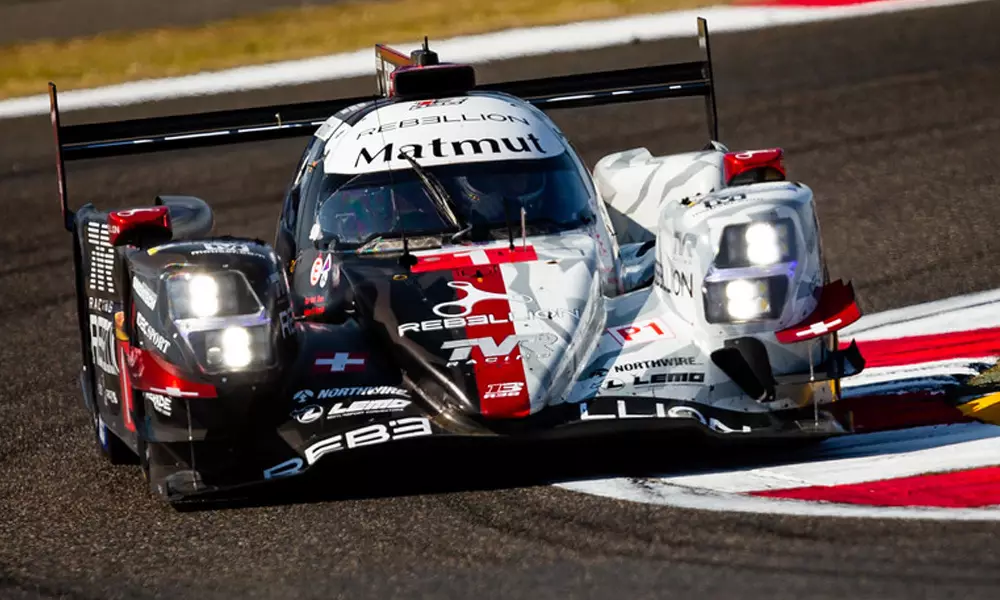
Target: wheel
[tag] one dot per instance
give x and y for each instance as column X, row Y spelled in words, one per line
column 110, row 445
column 142, row 449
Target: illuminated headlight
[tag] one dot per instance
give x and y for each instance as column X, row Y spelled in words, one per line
column 233, row 348
column 741, row 300
column 203, row 295
column 222, row 319
column 760, row 243
column 746, row 299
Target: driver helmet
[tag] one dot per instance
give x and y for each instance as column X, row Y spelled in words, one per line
column 486, row 192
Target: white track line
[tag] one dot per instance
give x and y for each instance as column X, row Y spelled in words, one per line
column 469, row 49
column 856, row 458
column 960, row 313
column 650, row 492
column 864, row 457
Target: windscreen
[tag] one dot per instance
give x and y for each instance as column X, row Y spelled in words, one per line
column 485, row 198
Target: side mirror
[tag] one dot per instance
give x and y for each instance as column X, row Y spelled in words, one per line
column 141, row 227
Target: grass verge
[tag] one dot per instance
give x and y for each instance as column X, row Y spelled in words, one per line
column 284, row 35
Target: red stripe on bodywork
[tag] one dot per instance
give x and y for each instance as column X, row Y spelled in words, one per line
column 125, row 382
column 493, row 373
column 474, row 257
column 976, row 343
column 959, row 489
column 151, row 373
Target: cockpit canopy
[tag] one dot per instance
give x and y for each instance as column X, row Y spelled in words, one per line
column 356, row 212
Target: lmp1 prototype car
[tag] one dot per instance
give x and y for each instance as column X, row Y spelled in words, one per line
column 445, row 265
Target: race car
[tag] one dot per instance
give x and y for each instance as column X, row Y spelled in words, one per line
column 446, row 266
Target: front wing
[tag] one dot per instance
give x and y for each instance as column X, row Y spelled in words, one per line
column 326, row 435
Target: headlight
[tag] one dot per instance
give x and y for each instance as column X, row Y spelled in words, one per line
column 741, row 300
column 222, row 319
column 232, row 348
column 757, row 244
column 201, row 295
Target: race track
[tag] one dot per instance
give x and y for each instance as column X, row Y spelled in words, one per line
column 892, row 120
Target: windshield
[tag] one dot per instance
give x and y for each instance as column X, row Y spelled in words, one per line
column 354, row 211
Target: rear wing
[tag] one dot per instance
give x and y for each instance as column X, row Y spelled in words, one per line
column 396, row 76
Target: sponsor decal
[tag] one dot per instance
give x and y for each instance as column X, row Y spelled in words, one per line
column 313, row 412
column 314, row 305
column 339, row 362
column 225, row 248
column 102, row 344
column 144, row 293
column 399, row 429
column 658, row 410
column 487, row 319
column 101, row 258
column 504, row 390
column 673, row 361
column 161, row 404
column 676, row 282
column 377, row 390
column 153, row 336
column 716, row 201
column 684, row 245
column 287, row 322
column 439, row 102
column 321, row 269
column 640, row 331
column 508, row 350
column 440, row 120
column 307, row 414
column 473, row 295
column 110, row 396
column 303, row 396
column 439, row 148
column 100, row 304
column 654, row 379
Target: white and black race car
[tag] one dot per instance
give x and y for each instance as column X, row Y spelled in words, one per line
column 446, row 265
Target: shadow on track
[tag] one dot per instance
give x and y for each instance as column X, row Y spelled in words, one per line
column 490, row 464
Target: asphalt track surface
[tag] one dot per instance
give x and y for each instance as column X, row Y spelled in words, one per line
column 893, row 120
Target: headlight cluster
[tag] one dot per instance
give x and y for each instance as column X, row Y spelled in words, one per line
column 222, row 319
column 751, row 273
column 233, row 348
column 739, row 300
column 202, row 295
column 757, row 244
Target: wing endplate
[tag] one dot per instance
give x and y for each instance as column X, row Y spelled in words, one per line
column 837, row 309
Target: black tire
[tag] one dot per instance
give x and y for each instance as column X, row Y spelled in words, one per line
column 114, row 450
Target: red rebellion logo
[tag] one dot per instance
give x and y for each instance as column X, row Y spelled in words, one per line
column 641, row 331
column 339, row 362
